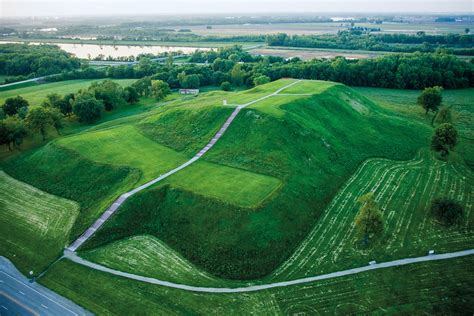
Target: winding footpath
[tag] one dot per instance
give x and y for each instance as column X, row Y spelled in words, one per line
column 70, row 254
column 252, row 288
column 121, row 199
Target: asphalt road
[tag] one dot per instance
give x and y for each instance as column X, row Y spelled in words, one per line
column 252, row 288
column 121, row 199
column 18, row 296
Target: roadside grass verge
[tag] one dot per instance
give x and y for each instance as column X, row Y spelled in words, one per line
column 404, row 190
column 34, row 225
column 443, row 287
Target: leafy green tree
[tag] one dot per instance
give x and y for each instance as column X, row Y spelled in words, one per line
column 87, row 108
column 111, row 93
column 447, row 211
column 430, row 99
column 226, row 86
column 66, row 105
column 12, row 131
column 143, row 86
column 131, row 95
column 57, row 119
column 39, row 119
column 189, row 81
column 444, row 138
column 261, row 80
column 444, row 115
column 160, row 89
column 369, row 221
column 13, row 105
column 237, row 75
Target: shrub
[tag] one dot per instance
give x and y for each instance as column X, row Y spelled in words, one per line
column 447, row 211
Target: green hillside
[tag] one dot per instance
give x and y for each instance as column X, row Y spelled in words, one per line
column 302, row 140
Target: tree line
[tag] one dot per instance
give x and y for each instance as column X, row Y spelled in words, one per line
column 458, row 44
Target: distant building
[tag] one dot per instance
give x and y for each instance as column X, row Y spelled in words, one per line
column 188, row 91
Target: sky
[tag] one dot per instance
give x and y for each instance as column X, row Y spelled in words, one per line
column 140, row 7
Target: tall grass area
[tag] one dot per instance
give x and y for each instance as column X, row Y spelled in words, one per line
column 443, row 287
column 64, row 173
column 34, row 225
column 312, row 149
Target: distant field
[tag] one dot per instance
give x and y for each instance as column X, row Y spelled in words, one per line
column 404, row 191
column 325, row 28
column 34, row 225
column 35, row 94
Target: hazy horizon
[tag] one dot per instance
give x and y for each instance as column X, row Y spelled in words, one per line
column 22, row 8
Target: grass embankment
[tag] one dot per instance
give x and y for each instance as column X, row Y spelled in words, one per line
column 459, row 101
column 312, row 144
column 404, row 191
column 62, row 172
column 443, row 287
column 34, row 225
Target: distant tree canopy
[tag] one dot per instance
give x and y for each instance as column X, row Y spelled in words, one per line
column 430, row 99
column 87, row 108
column 110, row 92
column 261, row 80
column 444, row 138
column 447, row 211
column 369, row 221
column 38, row 60
column 355, row 40
column 12, row 132
column 159, row 89
column 39, row 119
column 191, row 81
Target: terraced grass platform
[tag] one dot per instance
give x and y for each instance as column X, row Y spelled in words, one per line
column 34, row 225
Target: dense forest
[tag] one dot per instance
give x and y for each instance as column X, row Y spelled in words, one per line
column 35, row 60
column 459, row 44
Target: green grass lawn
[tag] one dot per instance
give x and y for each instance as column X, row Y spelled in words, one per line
column 404, row 191
column 125, row 146
column 310, row 86
column 153, row 258
column 34, row 225
column 443, row 287
column 35, row 94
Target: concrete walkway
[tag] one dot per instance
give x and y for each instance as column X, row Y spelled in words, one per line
column 252, row 288
column 121, row 199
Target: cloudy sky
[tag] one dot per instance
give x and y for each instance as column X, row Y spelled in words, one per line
column 131, row 7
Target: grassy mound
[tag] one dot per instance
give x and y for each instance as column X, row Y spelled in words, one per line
column 30, row 220
column 312, row 144
column 62, row 172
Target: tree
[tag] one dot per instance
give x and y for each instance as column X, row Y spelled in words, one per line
column 444, row 138
column 444, row 115
column 131, row 95
column 12, row 131
column 13, row 105
column 467, row 30
column 39, row 119
column 226, row 86
column 87, row 108
column 160, row 89
column 261, row 80
column 369, row 221
column 111, row 93
column 430, row 99
column 143, row 86
column 66, row 105
column 447, row 211
column 189, row 81
column 57, row 119
column 237, row 75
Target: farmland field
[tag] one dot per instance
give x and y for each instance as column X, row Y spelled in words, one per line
column 32, row 220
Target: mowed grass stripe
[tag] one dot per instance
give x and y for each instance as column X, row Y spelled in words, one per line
column 404, row 191
column 34, row 225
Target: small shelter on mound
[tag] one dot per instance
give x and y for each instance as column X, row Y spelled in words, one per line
column 188, row 91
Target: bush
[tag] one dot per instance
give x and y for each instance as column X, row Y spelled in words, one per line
column 447, row 211
column 87, row 108
column 226, row 86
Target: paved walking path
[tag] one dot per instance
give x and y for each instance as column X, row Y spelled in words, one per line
column 121, row 199
column 252, row 288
